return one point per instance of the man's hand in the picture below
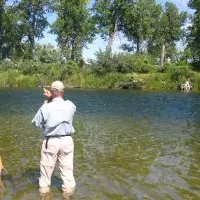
(47, 93)
(46, 101)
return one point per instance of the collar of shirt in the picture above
(58, 99)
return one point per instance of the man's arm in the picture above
(38, 120)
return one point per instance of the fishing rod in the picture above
(40, 82)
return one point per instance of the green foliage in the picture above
(10, 32)
(112, 80)
(194, 32)
(159, 81)
(148, 27)
(171, 23)
(61, 72)
(180, 74)
(6, 65)
(47, 54)
(123, 63)
(26, 81)
(33, 20)
(31, 67)
(103, 63)
(11, 77)
(73, 76)
(74, 27)
(168, 29)
(138, 21)
(140, 63)
(107, 15)
(21, 20)
(132, 81)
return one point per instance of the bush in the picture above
(10, 77)
(132, 81)
(159, 81)
(6, 65)
(30, 67)
(122, 63)
(103, 63)
(26, 81)
(140, 63)
(180, 74)
(62, 72)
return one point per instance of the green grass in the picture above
(169, 79)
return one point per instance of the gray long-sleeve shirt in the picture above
(55, 118)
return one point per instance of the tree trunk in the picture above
(112, 38)
(73, 50)
(32, 46)
(138, 46)
(162, 58)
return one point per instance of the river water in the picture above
(128, 145)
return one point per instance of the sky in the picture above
(98, 43)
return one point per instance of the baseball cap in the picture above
(58, 85)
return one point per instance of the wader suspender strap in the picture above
(53, 136)
(47, 139)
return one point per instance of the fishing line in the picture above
(39, 80)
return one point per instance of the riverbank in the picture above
(150, 81)
(30, 75)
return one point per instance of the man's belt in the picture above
(54, 136)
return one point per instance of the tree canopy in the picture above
(148, 26)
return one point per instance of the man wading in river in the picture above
(55, 119)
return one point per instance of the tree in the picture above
(2, 11)
(33, 19)
(107, 14)
(139, 21)
(74, 27)
(194, 30)
(10, 29)
(168, 29)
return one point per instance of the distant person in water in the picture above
(55, 119)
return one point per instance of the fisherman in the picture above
(55, 119)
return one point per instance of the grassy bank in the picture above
(150, 81)
(29, 74)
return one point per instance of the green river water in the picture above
(129, 145)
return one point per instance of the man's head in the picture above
(57, 89)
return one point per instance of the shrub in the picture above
(62, 72)
(6, 65)
(11, 77)
(132, 81)
(180, 74)
(123, 63)
(159, 81)
(30, 67)
(103, 63)
(140, 63)
(26, 81)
